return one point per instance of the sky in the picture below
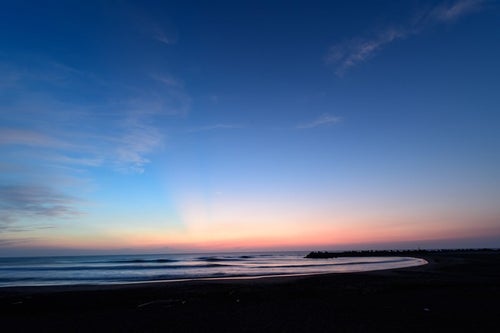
(184, 126)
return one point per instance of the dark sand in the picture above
(458, 292)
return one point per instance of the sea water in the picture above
(116, 269)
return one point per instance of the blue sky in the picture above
(183, 126)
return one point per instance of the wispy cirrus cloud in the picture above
(322, 121)
(170, 97)
(162, 37)
(138, 136)
(450, 11)
(14, 241)
(13, 136)
(135, 144)
(348, 54)
(71, 160)
(18, 202)
(124, 152)
(168, 80)
(52, 145)
(345, 55)
(121, 134)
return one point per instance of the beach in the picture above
(455, 291)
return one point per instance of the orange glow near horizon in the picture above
(278, 235)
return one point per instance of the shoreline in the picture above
(90, 286)
(453, 291)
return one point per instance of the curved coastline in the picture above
(201, 281)
(161, 273)
(418, 262)
(413, 299)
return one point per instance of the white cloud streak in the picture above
(45, 132)
(451, 11)
(138, 141)
(168, 80)
(81, 161)
(345, 55)
(162, 38)
(10, 136)
(18, 202)
(324, 120)
(120, 134)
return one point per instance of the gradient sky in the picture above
(248, 125)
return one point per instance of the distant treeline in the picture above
(384, 253)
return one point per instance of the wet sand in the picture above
(455, 292)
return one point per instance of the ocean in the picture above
(120, 269)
